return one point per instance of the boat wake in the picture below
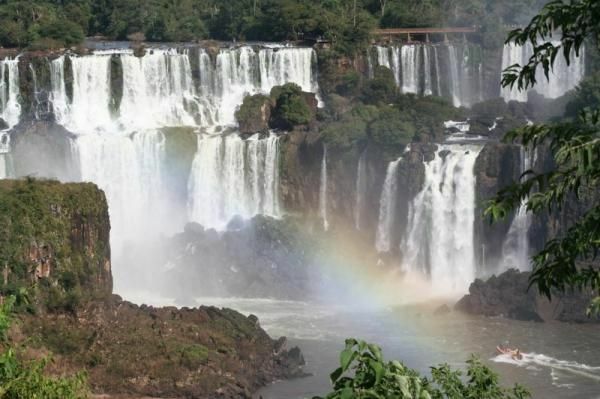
(540, 361)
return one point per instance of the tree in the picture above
(371, 377)
(574, 144)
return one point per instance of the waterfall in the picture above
(4, 150)
(10, 109)
(58, 91)
(234, 177)
(439, 240)
(455, 77)
(361, 190)
(243, 71)
(410, 69)
(387, 208)
(323, 190)
(436, 62)
(515, 249)
(427, 89)
(563, 77)
(158, 90)
(128, 169)
(120, 122)
(418, 69)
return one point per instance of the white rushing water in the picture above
(323, 189)
(387, 208)
(4, 150)
(120, 143)
(563, 77)
(10, 109)
(439, 241)
(361, 190)
(515, 249)
(234, 177)
(410, 68)
(421, 68)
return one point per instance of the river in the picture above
(561, 360)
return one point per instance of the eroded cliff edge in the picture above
(55, 256)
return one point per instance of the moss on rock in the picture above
(54, 242)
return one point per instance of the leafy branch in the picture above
(574, 146)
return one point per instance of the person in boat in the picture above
(515, 354)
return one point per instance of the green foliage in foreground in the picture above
(364, 374)
(574, 145)
(25, 380)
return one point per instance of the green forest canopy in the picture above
(347, 23)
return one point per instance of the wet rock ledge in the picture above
(507, 295)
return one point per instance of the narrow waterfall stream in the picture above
(361, 190)
(387, 208)
(515, 249)
(323, 190)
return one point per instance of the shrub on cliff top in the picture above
(382, 88)
(290, 107)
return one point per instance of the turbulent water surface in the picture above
(561, 360)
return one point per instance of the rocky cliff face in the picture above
(55, 242)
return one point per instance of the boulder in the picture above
(508, 295)
(254, 114)
(505, 295)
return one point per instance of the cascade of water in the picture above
(418, 69)
(515, 249)
(10, 108)
(436, 62)
(4, 150)
(410, 69)
(323, 190)
(234, 177)
(563, 77)
(370, 67)
(455, 76)
(123, 148)
(89, 113)
(387, 208)
(361, 190)
(36, 93)
(439, 240)
(383, 56)
(58, 90)
(157, 90)
(427, 88)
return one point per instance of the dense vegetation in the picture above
(347, 23)
(374, 109)
(363, 373)
(21, 379)
(41, 224)
(573, 143)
